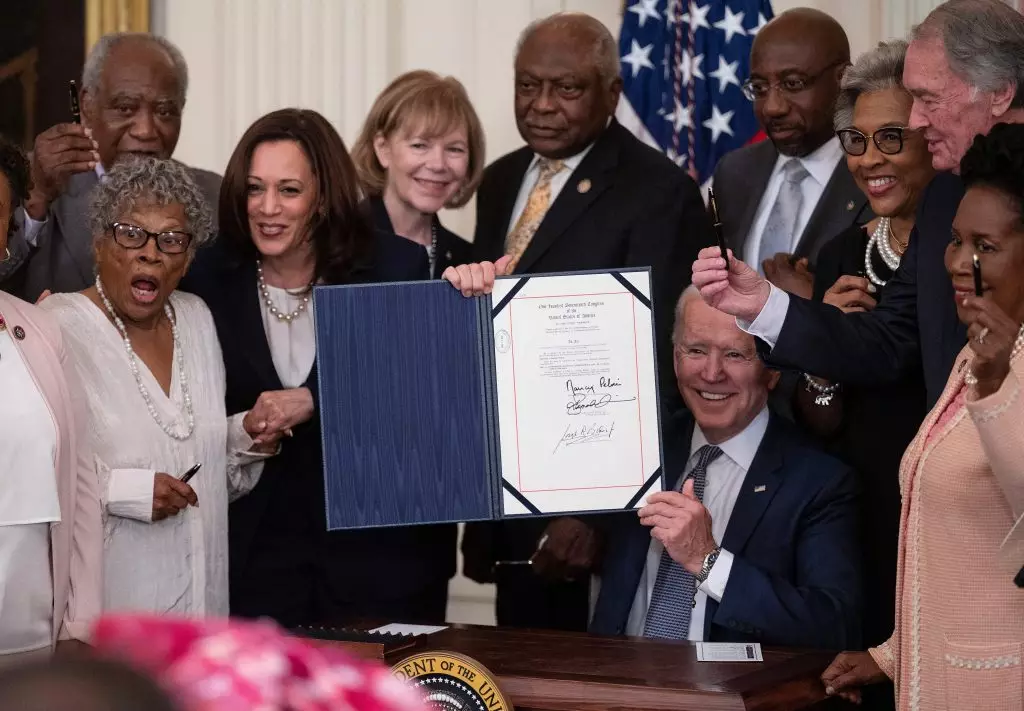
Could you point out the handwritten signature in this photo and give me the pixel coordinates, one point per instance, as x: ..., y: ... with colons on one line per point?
x: 582, y: 434
x: 590, y: 397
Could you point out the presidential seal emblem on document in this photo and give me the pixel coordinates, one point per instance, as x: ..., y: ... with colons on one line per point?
x: 452, y: 682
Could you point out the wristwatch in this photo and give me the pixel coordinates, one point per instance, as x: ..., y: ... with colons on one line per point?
x: 709, y: 562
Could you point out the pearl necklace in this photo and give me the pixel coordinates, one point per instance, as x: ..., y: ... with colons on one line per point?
x: 880, y: 239
x: 1018, y: 345
x: 134, y: 365
x: 269, y: 302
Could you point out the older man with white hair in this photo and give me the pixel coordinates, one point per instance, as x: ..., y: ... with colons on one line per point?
x: 132, y: 97
x: 964, y: 70
x: 758, y: 540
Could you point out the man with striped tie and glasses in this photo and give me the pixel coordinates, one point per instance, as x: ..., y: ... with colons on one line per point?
x: 757, y: 542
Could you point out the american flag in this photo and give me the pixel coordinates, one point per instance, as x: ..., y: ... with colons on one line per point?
x: 683, y: 65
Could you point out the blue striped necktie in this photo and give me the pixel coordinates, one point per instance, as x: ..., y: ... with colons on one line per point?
x: 668, y: 615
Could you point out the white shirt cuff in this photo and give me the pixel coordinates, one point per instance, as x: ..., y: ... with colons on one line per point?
x: 32, y: 229
x: 240, y: 443
x: 714, y: 586
x: 130, y: 493
x: 768, y: 324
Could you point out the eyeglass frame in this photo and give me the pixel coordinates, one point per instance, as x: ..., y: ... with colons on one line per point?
x: 874, y: 139
x: 155, y: 236
x: 810, y: 81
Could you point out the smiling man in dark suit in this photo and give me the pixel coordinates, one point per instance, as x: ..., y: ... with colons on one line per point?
x: 760, y: 542
x: 584, y: 193
x: 792, y: 193
x: 132, y: 95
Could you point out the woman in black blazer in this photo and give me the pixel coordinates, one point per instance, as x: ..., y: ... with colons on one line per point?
x: 290, y: 217
x: 421, y: 148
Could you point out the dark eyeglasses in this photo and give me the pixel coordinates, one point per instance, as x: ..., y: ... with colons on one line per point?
x: 132, y: 236
x: 758, y: 89
x: 888, y: 139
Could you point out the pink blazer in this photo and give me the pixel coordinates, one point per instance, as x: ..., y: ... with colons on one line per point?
x: 76, y: 542
x: 959, y: 637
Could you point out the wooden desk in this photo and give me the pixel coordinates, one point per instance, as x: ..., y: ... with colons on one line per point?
x: 559, y: 671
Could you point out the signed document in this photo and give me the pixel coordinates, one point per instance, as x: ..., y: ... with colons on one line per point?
x: 537, y: 399
x: 576, y: 394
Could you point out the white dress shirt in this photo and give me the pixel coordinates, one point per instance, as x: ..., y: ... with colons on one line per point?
x: 292, y: 343
x: 768, y: 324
x: 28, y: 505
x: 558, y: 182
x: 820, y: 165
x: 722, y: 487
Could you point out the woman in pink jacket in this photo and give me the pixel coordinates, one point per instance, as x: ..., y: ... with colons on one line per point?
x: 50, y: 530
x: 959, y: 637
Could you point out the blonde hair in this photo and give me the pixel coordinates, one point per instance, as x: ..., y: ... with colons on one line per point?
x: 425, y: 101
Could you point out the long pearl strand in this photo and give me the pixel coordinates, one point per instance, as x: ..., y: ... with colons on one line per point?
x: 880, y: 239
x: 133, y: 363
x: 269, y: 302
x: 432, y: 249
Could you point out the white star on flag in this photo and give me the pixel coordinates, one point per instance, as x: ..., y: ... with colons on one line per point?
x: 761, y: 22
x: 731, y: 24
x: 699, y: 15
x: 718, y: 123
x: 725, y: 74
x: 638, y: 57
x: 676, y: 158
x: 681, y: 118
x: 645, y: 9
x: 689, y: 66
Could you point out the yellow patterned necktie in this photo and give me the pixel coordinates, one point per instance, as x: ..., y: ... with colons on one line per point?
x: 537, y: 205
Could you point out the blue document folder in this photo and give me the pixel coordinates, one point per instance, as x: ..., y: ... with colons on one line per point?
x: 408, y: 407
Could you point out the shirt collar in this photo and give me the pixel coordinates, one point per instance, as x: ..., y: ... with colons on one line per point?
x: 820, y: 164
x: 571, y: 163
x: 740, y: 448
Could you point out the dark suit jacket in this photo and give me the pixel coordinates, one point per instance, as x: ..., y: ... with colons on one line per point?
x: 641, y: 210
x: 62, y: 260
x: 452, y: 250
x: 741, y: 178
x: 378, y: 564
x: 914, y: 324
x: 795, y: 579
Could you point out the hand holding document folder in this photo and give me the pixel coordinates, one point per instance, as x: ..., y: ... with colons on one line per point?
x: 540, y: 398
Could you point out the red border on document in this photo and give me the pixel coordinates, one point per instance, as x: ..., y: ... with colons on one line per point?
x: 515, y: 395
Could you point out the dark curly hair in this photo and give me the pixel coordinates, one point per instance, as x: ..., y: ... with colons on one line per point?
x: 340, y: 228
x: 996, y: 160
x: 14, y: 166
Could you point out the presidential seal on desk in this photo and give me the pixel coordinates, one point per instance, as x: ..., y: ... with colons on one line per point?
x: 452, y: 682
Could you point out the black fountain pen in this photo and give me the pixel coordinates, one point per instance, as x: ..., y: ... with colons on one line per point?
x: 718, y: 227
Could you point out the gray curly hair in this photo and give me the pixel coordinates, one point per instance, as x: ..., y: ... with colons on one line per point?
x: 137, y: 180
x: 876, y: 70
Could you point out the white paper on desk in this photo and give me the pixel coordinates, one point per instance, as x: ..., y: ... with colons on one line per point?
x: 728, y: 652
x: 578, y: 411
x: 413, y: 630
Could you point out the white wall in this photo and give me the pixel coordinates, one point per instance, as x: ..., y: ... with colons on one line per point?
x: 248, y: 57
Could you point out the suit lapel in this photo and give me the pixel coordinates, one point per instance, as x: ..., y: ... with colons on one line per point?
x: 840, y: 204
x: 495, y: 224
x: 77, y: 236
x: 598, y: 167
x: 759, y: 488
x: 763, y: 162
x: 247, y: 306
